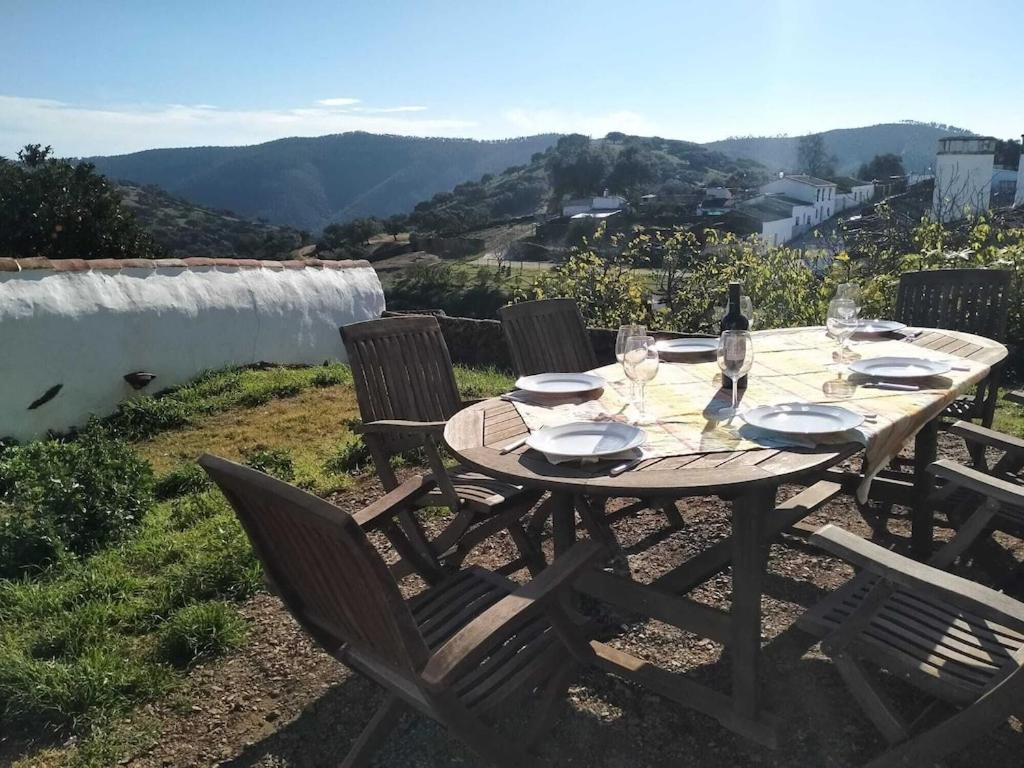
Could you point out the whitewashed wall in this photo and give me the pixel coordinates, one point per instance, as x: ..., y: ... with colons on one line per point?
x: 85, y: 325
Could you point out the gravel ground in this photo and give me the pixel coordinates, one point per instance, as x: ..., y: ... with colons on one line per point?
x: 282, y: 703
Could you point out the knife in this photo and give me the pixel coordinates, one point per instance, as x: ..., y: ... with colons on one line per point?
x: 618, y: 470
x: 892, y: 385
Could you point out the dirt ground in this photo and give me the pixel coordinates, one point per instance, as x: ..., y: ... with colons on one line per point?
x: 283, y: 703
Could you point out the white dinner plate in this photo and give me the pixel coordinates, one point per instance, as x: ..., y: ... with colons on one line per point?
x: 876, y: 327
x: 802, y: 418
x: 899, y: 367
x: 560, y: 383
x: 694, y: 346
x: 587, y: 439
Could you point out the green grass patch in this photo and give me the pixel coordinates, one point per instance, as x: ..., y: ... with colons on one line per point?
x: 200, y: 631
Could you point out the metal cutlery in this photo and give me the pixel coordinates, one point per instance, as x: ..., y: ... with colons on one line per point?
x: 912, y: 335
x: 624, y: 467
x: 891, y: 385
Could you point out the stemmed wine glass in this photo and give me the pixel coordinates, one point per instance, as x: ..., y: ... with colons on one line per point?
x: 640, y: 361
x: 842, y: 322
x: 735, y: 357
x: 625, y: 332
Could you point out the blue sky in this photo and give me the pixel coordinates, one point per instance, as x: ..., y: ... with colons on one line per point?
x: 95, y: 77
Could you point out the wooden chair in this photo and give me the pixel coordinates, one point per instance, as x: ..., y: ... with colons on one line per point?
x: 970, y: 300
x: 547, y: 336
x: 466, y: 648
x: 959, y: 642
x: 406, y: 389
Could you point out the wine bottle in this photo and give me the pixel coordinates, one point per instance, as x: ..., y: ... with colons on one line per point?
x: 734, y: 320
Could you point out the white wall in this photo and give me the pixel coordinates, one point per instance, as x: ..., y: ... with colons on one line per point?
x: 777, y: 232
x: 87, y: 328
x: 962, y: 183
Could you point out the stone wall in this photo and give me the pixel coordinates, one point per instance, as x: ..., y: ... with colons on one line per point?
x: 71, y: 330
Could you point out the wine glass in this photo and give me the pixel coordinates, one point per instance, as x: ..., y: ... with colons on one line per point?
x: 849, y: 291
x: 640, y: 361
x: 625, y: 331
x: 735, y: 356
x: 842, y: 322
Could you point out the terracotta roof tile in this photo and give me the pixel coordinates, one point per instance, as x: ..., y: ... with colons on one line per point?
x: 34, y: 262
x: 9, y: 265
x: 95, y: 264
x: 69, y: 265
x: 81, y: 265
x: 170, y: 263
x: 137, y: 264
x: 293, y: 264
x: 270, y: 264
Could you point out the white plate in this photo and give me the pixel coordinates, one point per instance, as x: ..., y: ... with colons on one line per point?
x: 695, y: 346
x: 899, y: 367
x: 875, y: 327
x: 560, y: 383
x: 587, y: 439
x: 802, y: 418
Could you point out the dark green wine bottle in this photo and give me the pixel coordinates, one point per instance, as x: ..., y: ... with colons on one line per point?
x: 734, y: 320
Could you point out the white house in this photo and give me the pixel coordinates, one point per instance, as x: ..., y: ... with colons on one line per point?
x: 851, y: 192
x: 770, y: 217
x: 606, y: 204
x: 963, y: 176
x: 1018, y: 199
x: 818, y: 192
x: 1004, y: 181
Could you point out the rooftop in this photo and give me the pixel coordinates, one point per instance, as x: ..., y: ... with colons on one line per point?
x: 810, y: 180
x: 768, y: 209
x: 847, y: 183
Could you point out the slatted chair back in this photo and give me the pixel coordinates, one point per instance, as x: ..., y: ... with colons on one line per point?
x: 402, y: 370
x: 547, y: 336
x: 969, y: 300
x: 327, y: 573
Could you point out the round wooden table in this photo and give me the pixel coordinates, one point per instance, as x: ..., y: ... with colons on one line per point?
x: 748, y: 479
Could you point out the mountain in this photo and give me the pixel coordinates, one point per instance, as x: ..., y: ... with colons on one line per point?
x: 623, y: 164
x: 184, y: 229
x: 308, y: 183
x: 914, y: 142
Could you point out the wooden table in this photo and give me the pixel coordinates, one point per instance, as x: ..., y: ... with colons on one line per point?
x: 749, y: 480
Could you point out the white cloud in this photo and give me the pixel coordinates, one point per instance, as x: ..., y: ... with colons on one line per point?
x: 343, y: 102
x: 76, y: 130
x: 530, y: 121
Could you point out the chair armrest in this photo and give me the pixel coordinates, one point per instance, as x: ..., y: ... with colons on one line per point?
x: 1015, y: 396
x: 469, y: 644
x: 914, y: 576
x: 994, y: 488
x: 395, y: 501
x: 973, y: 433
x: 400, y: 426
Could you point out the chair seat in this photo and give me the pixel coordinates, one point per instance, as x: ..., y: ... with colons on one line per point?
x: 964, y: 407
x: 953, y: 654
x: 481, y: 493
x: 518, y: 660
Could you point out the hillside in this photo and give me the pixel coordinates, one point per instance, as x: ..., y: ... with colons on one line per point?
x: 184, y: 229
x: 914, y: 142
x: 578, y: 166
x: 308, y: 183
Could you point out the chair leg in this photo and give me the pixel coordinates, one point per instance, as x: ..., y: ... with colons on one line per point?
x: 552, y: 696
x: 871, y: 700
x: 671, y: 512
x: 373, y: 734
x: 530, y: 552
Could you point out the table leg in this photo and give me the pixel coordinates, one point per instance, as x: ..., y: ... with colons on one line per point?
x: 563, y: 522
x: 922, y: 515
x: 749, y: 561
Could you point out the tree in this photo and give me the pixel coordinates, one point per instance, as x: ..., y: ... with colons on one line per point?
x: 632, y: 169
x: 813, y: 157
x: 57, y: 209
x: 395, y: 224
x: 577, y: 167
x: 882, y: 167
x: 1008, y: 153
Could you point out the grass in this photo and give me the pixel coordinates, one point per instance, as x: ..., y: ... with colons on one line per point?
x: 84, y: 642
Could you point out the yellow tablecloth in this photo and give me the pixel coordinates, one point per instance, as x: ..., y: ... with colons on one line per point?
x: 794, y: 365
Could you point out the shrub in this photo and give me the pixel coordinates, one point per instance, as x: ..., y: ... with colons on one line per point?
x: 188, y: 478
x: 199, y: 632
x: 352, y: 457
x: 273, y: 461
x: 86, y: 493
x: 142, y: 417
x: 26, y: 543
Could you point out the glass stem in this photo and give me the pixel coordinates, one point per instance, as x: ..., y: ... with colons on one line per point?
x: 643, y: 391
x: 734, y: 386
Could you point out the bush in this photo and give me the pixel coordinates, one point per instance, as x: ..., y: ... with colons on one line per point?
x: 199, y: 632
x: 85, y: 493
x: 26, y: 543
x: 352, y: 457
x: 188, y: 478
x: 273, y: 461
